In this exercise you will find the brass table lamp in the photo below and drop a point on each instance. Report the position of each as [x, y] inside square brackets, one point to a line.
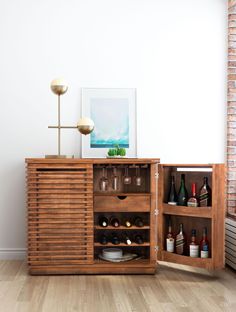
[85, 125]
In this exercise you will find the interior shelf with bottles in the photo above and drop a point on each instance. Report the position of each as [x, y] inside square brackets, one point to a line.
[191, 207]
[191, 177]
[188, 238]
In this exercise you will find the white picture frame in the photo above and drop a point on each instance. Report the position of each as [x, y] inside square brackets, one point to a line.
[113, 111]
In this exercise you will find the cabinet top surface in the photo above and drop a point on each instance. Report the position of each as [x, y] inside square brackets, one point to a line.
[92, 160]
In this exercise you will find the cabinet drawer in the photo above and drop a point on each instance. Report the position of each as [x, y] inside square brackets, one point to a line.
[122, 203]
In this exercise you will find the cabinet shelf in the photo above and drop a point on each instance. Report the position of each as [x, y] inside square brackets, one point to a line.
[120, 194]
[146, 227]
[134, 262]
[146, 244]
[186, 260]
[200, 212]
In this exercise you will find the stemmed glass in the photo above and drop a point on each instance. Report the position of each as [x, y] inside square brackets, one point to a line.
[127, 178]
[137, 178]
[103, 183]
[115, 180]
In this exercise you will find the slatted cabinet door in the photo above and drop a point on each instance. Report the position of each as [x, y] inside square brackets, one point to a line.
[60, 215]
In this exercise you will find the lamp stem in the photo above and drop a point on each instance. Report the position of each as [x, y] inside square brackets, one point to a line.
[59, 126]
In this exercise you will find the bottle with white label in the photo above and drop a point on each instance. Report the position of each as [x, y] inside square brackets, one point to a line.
[193, 247]
[170, 241]
[204, 245]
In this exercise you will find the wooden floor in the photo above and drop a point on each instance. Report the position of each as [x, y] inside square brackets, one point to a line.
[169, 290]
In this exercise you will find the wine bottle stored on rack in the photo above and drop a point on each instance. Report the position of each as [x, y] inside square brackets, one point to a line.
[127, 223]
[180, 241]
[104, 239]
[182, 195]
[115, 239]
[172, 198]
[138, 239]
[138, 221]
[205, 194]
[103, 221]
[127, 239]
[170, 241]
[114, 221]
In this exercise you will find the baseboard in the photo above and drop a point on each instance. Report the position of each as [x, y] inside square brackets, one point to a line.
[12, 253]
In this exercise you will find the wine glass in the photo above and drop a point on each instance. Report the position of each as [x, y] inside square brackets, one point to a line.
[137, 178]
[115, 180]
[127, 178]
[103, 183]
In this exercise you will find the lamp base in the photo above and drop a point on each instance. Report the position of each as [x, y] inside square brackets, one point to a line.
[58, 156]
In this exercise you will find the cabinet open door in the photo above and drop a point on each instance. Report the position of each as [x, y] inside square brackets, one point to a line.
[210, 217]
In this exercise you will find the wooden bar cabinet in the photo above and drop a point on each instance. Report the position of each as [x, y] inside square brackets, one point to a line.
[65, 202]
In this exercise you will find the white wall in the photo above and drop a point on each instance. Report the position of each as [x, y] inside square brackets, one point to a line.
[173, 52]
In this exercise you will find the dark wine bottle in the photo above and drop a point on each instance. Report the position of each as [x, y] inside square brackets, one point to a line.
[115, 239]
[138, 239]
[138, 221]
[127, 239]
[180, 241]
[182, 195]
[172, 198]
[205, 194]
[104, 240]
[114, 222]
[103, 221]
[128, 223]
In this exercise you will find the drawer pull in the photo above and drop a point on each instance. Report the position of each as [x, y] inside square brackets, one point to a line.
[122, 197]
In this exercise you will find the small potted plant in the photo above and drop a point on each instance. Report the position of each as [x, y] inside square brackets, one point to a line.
[116, 152]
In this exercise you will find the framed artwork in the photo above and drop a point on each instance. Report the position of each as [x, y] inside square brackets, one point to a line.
[114, 114]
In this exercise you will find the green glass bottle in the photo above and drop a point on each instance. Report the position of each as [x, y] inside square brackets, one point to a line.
[182, 195]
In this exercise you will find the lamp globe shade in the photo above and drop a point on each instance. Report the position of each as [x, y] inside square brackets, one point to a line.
[59, 86]
[85, 125]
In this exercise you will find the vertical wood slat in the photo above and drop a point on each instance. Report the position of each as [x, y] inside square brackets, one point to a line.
[60, 214]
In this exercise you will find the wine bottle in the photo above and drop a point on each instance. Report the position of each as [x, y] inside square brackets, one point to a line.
[193, 246]
[104, 240]
[182, 195]
[115, 239]
[205, 194]
[204, 245]
[138, 239]
[138, 221]
[193, 202]
[128, 223]
[180, 241]
[170, 241]
[114, 222]
[103, 221]
[172, 198]
[127, 239]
